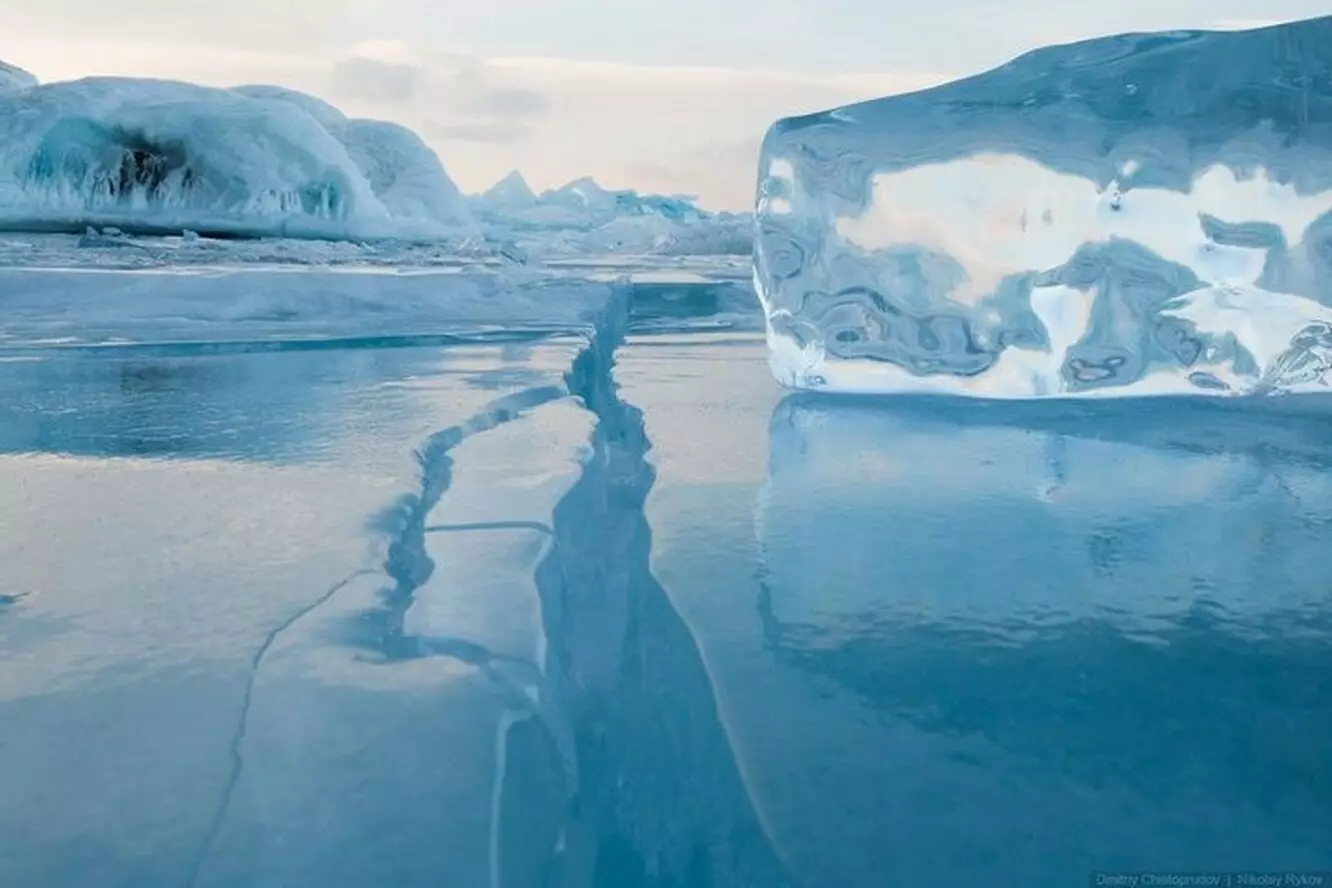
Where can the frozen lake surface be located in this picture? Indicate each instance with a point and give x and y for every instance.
(613, 610)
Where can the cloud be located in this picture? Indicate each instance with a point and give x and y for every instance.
(511, 103)
(372, 80)
(686, 129)
(723, 172)
(457, 97)
(495, 132)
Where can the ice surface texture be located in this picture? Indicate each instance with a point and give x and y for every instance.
(156, 156)
(1141, 214)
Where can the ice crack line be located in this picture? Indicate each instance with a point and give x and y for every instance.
(408, 564)
(490, 525)
(243, 723)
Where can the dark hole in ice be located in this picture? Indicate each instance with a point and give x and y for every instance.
(146, 165)
(114, 162)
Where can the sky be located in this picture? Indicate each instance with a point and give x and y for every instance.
(667, 96)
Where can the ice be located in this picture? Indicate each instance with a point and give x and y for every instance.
(532, 613)
(582, 217)
(1135, 215)
(270, 308)
(509, 194)
(13, 79)
(161, 156)
(918, 613)
(328, 116)
(403, 173)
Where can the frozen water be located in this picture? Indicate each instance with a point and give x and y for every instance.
(279, 307)
(532, 613)
(921, 615)
(1142, 214)
(230, 296)
(406, 565)
(163, 156)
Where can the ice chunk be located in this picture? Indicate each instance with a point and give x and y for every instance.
(1141, 214)
(159, 156)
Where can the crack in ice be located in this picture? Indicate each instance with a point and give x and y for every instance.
(242, 725)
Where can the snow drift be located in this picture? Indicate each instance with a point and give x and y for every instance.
(160, 156)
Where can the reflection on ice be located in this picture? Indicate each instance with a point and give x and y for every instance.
(1111, 618)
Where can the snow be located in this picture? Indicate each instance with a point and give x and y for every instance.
(1078, 223)
(155, 155)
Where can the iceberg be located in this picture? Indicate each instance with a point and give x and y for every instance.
(153, 156)
(1134, 215)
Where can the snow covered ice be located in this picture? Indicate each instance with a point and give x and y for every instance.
(159, 156)
(1135, 215)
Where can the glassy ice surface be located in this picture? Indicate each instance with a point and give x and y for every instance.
(1142, 214)
(602, 608)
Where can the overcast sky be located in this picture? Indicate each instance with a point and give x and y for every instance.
(659, 95)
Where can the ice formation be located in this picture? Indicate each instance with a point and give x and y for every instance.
(584, 217)
(404, 174)
(13, 79)
(510, 194)
(162, 156)
(1140, 214)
